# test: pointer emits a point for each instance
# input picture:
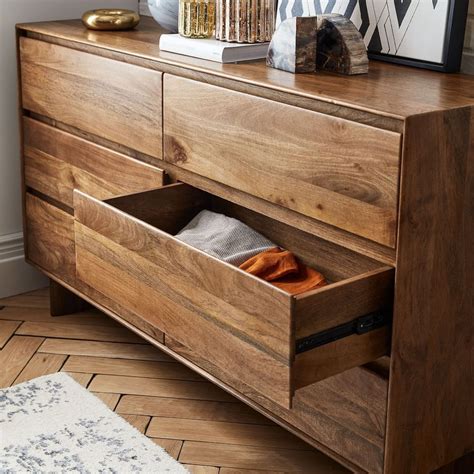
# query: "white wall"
(15, 275)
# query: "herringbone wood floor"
(196, 422)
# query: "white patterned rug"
(53, 425)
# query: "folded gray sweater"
(223, 237)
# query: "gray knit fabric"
(223, 237)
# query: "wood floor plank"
(135, 368)
(15, 355)
(171, 446)
(110, 399)
(103, 349)
(89, 317)
(253, 457)
(79, 331)
(81, 378)
(7, 329)
(33, 299)
(190, 409)
(226, 433)
(159, 388)
(193, 469)
(41, 364)
(195, 421)
(140, 422)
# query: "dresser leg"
(62, 301)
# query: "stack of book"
(212, 49)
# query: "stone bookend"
(293, 45)
(326, 43)
(340, 46)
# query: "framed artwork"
(423, 33)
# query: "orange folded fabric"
(282, 269)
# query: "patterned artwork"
(413, 29)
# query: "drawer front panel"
(213, 308)
(57, 162)
(50, 238)
(239, 323)
(114, 100)
(50, 243)
(336, 171)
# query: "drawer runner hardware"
(359, 326)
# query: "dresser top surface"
(389, 90)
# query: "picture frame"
(427, 34)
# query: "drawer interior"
(278, 342)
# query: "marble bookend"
(323, 42)
(340, 46)
(293, 45)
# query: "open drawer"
(271, 341)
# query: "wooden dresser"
(370, 179)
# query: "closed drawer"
(111, 99)
(50, 245)
(339, 172)
(57, 162)
(49, 239)
(243, 325)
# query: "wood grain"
(135, 368)
(57, 162)
(138, 421)
(7, 329)
(171, 446)
(188, 302)
(39, 365)
(117, 101)
(78, 331)
(284, 157)
(180, 409)
(249, 457)
(190, 409)
(346, 353)
(109, 242)
(101, 349)
(432, 370)
(388, 90)
(50, 238)
(224, 432)
(15, 355)
(343, 301)
(346, 411)
(158, 387)
(110, 399)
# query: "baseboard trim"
(16, 276)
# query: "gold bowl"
(110, 19)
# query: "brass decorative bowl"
(110, 19)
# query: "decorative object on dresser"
(293, 46)
(110, 19)
(53, 424)
(351, 174)
(165, 13)
(212, 49)
(324, 42)
(197, 18)
(422, 33)
(245, 22)
(340, 46)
